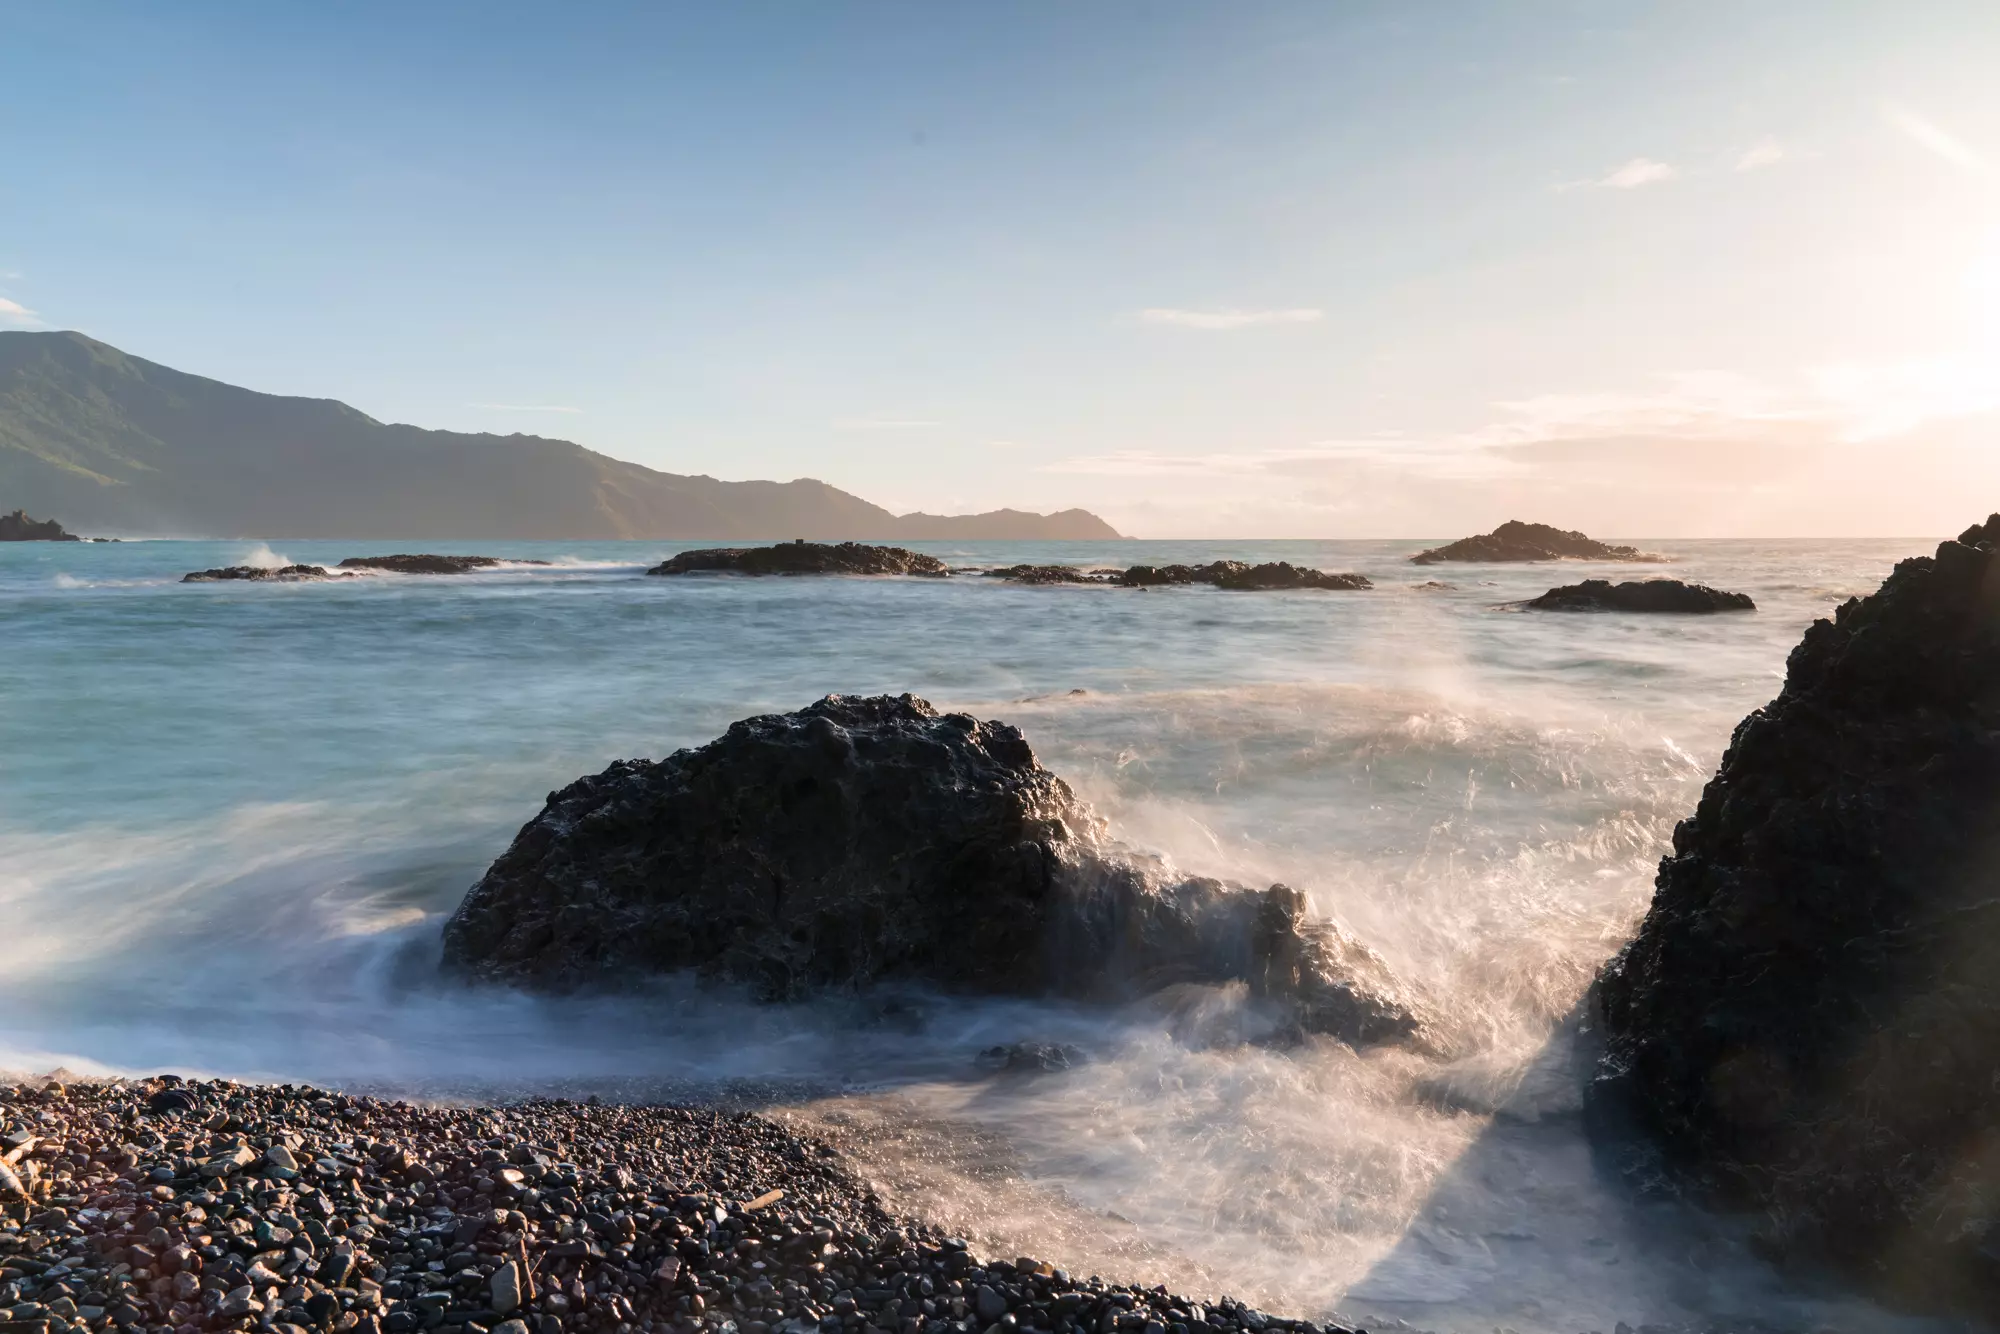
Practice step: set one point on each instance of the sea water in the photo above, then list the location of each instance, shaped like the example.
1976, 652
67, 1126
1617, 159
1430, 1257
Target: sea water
233, 817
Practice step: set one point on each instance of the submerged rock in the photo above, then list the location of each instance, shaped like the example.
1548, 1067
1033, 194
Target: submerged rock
804, 557
1808, 1021
429, 564
1517, 541
1044, 1058
283, 574
1658, 595
874, 840
18, 527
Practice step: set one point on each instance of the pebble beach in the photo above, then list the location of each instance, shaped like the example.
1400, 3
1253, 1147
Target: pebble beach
178, 1207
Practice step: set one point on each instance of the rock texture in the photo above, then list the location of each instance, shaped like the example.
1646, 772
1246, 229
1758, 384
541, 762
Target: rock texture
1282, 574
1517, 541
1231, 574
1809, 1018
804, 558
1052, 574
164, 1207
429, 564
18, 527
875, 840
287, 574
1651, 595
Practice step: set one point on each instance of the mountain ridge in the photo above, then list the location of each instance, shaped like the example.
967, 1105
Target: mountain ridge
113, 442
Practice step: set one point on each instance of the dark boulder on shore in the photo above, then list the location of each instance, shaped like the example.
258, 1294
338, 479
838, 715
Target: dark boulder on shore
1517, 541
18, 527
804, 558
430, 564
865, 840
1808, 1021
1644, 595
280, 574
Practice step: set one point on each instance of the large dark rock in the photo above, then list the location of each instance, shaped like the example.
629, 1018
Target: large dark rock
284, 574
1517, 541
1808, 1021
804, 558
875, 840
1651, 595
18, 527
429, 564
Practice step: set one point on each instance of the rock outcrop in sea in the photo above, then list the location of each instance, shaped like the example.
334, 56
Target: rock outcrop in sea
281, 574
429, 564
1808, 1021
1643, 595
18, 527
164, 1207
1231, 574
1517, 541
865, 840
804, 557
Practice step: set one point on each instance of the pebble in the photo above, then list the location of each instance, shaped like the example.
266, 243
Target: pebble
164, 1207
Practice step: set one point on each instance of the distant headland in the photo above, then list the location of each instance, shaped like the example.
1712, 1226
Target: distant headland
112, 441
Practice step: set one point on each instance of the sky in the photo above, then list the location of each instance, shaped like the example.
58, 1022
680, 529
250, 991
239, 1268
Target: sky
1258, 269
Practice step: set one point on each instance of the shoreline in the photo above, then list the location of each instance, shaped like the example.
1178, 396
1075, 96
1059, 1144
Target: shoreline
167, 1205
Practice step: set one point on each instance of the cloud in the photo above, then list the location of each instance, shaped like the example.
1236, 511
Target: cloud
1639, 171
526, 407
1764, 153
884, 423
1229, 319
19, 316
1934, 139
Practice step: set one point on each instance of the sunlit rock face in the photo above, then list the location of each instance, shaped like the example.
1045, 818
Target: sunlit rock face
1808, 1021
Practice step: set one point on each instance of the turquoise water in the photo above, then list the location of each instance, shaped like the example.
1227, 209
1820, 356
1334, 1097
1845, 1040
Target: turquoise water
233, 816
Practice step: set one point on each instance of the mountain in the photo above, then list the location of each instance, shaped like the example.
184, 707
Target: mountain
110, 442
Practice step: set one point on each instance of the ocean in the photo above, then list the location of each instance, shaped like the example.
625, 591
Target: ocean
234, 816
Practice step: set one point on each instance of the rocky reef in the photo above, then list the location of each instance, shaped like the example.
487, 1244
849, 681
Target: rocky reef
1808, 1021
1644, 595
866, 840
282, 574
429, 564
167, 1207
804, 557
1231, 574
1517, 541
18, 527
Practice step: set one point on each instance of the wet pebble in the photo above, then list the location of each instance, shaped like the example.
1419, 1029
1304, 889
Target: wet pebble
178, 1208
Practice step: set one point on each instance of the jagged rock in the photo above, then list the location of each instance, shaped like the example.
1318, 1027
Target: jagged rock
1283, 574
286, 574
18, 527
1808, 1021
873, 840
429, 564
1231, 574
1051, 574
1517, 541
1660, 595
804, 557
